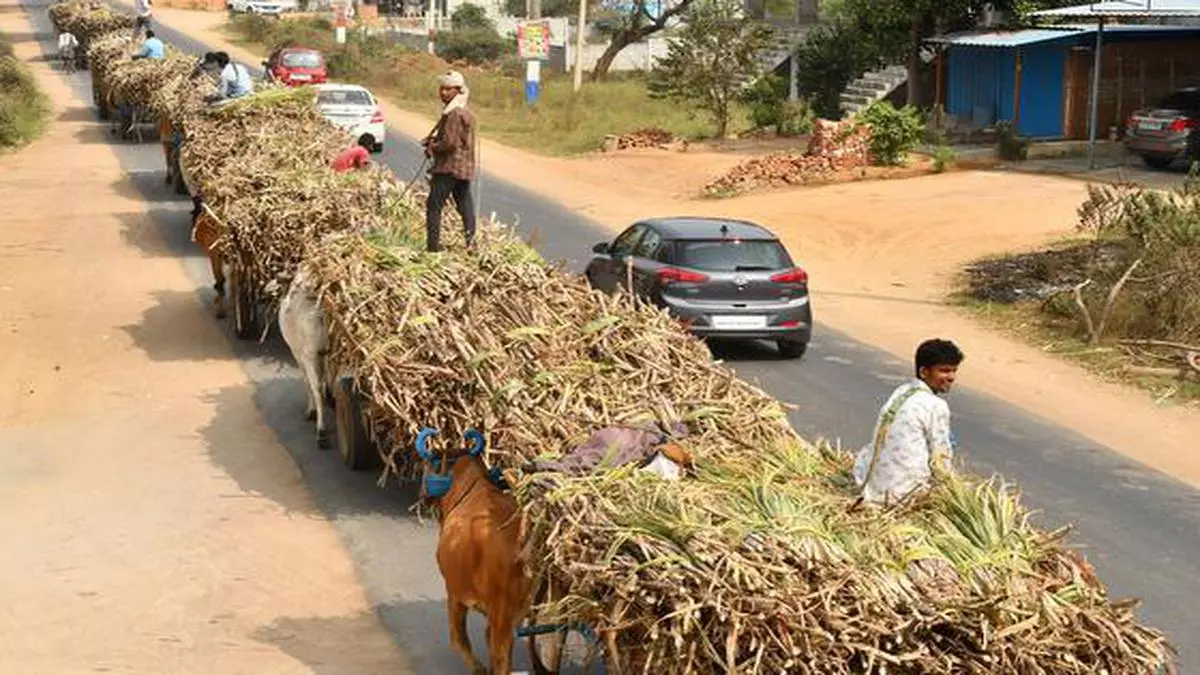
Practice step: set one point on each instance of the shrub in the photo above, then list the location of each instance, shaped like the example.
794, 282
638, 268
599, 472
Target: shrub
1009, 145
943, 156
765, 99
23, 108
894, 131
473, 45
796, 119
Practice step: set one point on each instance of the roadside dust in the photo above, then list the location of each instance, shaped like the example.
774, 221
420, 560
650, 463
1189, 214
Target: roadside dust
882, 254
131, 544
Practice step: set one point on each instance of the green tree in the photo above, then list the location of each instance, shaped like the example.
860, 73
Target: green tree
632, 23
468, 16
714, 52
829, 59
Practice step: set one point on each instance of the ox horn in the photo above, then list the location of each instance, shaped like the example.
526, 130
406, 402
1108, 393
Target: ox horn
477, 442
423, 443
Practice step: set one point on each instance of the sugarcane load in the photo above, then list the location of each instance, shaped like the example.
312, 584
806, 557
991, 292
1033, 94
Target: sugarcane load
721, 541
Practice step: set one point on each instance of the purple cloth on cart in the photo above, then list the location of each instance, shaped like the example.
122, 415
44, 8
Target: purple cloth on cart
612, 447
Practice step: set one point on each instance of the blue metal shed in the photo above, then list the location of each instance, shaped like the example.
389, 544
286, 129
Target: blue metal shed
1015, 75
1021, 76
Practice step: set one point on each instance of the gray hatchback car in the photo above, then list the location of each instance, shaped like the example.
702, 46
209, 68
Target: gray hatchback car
721, 278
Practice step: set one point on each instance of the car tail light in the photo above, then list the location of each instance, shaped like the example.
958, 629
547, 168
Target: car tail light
670, 275
795, 275
377, 117
790, 324
1182, 124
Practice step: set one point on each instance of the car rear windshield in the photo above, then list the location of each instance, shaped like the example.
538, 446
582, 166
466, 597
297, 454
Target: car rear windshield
732, 255
1182, 100
343, 97
302, 59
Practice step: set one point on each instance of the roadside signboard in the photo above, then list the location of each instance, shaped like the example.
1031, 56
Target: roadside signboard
533, 40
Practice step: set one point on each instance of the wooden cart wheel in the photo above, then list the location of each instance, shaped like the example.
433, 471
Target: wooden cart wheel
245, 307
177, 175
354, 443
102, 109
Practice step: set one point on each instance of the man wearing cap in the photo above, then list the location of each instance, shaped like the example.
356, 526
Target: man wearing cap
451, 146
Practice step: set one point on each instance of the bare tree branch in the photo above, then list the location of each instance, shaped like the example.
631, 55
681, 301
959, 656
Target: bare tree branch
1077, 293
1111, 300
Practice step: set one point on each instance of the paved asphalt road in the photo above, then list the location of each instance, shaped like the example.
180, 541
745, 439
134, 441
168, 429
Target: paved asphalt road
1139, 527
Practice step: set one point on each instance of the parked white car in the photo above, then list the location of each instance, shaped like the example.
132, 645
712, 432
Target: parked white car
262, 7
353, 109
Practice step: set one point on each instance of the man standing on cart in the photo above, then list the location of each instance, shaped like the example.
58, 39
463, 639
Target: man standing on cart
142, 22
67, 44
451, 146
152, 48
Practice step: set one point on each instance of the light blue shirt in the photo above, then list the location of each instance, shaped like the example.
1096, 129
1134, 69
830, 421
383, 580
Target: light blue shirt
153, 48
235, 81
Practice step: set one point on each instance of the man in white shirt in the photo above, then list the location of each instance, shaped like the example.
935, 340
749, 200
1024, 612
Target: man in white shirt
912, 434
234, 79
67, 44
142, 9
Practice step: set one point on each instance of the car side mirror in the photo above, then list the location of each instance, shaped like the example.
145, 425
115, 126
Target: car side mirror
601, 248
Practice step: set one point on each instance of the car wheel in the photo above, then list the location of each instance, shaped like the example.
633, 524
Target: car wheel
1156, 162
792, 349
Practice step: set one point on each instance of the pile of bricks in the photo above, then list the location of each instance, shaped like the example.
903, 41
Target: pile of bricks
846, 144
650, 137
833, 146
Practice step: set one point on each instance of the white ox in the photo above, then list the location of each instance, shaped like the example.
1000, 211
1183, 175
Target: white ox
302, 322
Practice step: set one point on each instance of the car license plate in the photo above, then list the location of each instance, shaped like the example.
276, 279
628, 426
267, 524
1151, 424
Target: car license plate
301, 76
739, 321
1149, 125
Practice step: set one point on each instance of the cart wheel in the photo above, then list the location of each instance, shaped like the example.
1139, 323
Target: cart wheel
102, 109
177, 175
358, 452
546, 651
245, 308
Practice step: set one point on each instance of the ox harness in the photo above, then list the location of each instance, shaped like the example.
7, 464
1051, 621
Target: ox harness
438, 484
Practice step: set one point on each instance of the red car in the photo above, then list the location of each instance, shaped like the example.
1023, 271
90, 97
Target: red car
295, 66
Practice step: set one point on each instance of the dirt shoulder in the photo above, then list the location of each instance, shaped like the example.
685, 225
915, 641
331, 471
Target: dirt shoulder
882, 256
153, 522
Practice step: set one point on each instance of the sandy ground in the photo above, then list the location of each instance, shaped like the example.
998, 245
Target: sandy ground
882, 256
146, 528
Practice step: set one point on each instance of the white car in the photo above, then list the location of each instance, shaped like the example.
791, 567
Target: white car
261, 7
353, 109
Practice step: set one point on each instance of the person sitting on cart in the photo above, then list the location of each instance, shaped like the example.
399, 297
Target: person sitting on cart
912, 435
358, 156
234, 80
152, 48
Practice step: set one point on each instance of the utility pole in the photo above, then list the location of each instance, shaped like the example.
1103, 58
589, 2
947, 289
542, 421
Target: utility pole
535, 9
579, 28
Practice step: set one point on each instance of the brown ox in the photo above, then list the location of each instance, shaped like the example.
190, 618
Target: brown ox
481, 557
205, 233
166, 133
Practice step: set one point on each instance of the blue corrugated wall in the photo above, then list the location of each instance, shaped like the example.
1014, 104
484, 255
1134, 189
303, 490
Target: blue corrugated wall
982, 80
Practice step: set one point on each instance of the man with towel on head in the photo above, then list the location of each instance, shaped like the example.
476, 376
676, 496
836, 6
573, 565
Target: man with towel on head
451, 146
